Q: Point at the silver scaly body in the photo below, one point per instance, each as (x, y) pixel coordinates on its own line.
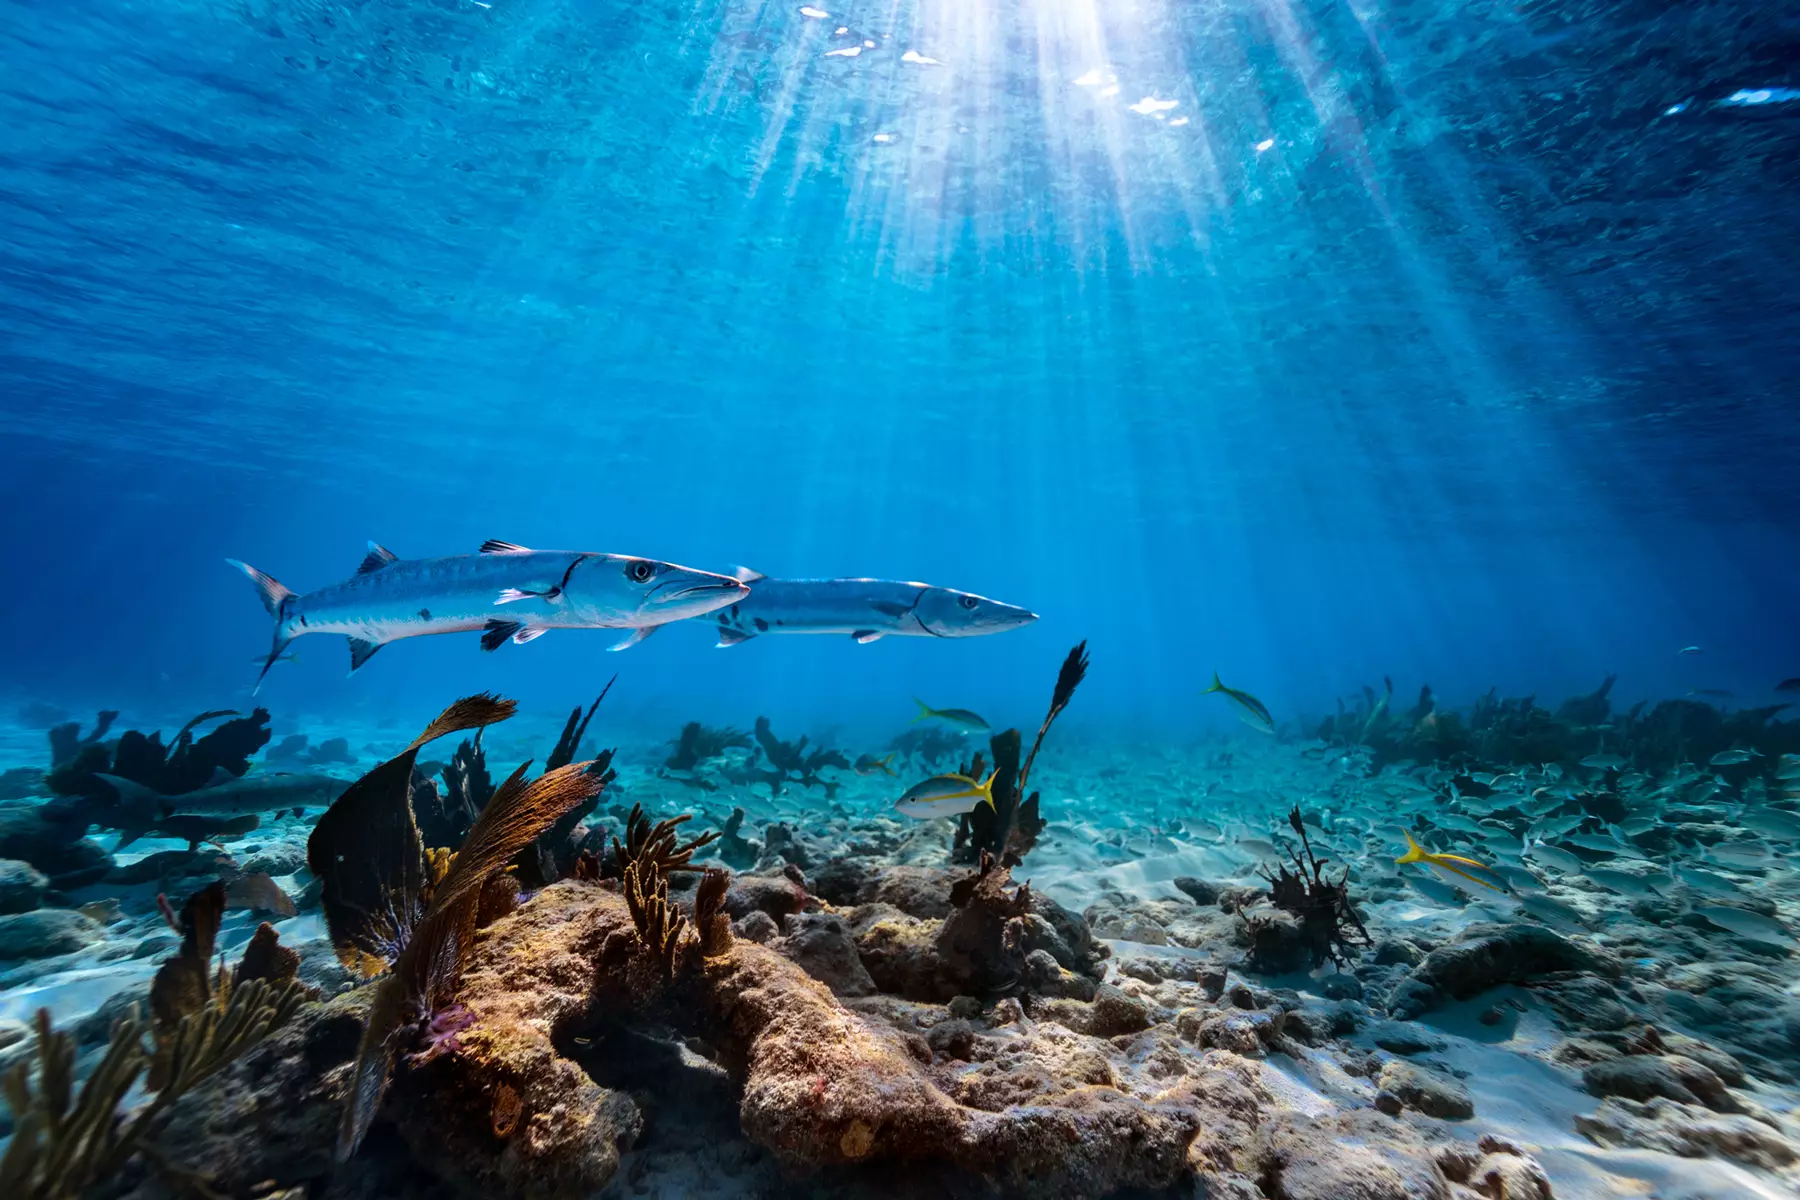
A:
(504, 592)
(864, 609)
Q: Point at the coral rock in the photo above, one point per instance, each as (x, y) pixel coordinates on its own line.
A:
(1687, 1130)
(1648, 1076)
(821, 944)
(1426, 1091)
(22, 886)
(1486, 956)
(45, 932)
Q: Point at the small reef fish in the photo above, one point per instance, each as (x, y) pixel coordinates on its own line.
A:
(1708, 884)
(1789, 685)
(1452, 868)
(1603, 762)
(1623, 882)
(1772, 822)
(1732, 758)
(1711, 693)
(1435, 890)
(1690, 650)
(1250, 710)
(1747, 924)
(868, 764)
(945, 796)
(961, 717)
(1749, 855)
(505, 591)
(862, 609)
(1551, 911)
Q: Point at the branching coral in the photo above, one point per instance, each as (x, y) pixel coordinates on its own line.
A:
(63, 1142)
(657, 843)
(1329, 927)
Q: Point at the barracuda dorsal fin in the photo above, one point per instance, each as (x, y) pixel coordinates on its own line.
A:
(361, 651)
(496, 546)
(377, 558)
(746, 575)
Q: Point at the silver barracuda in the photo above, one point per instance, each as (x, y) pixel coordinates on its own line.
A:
(864, 609)
(504, 592)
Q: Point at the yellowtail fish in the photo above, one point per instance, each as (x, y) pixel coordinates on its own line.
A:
(945, 796)
(955, 716)
(868, 764)
(1250, 710)
(1452, 868)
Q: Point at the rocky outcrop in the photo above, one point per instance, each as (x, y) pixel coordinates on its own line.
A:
(1487, 956)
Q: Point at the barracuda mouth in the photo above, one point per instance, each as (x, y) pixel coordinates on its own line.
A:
(722, 590)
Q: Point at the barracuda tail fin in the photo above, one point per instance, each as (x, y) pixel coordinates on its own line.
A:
(277, 599)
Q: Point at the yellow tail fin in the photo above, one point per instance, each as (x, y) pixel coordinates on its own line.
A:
(925, 710)
(1414, 851)
(987, 790)
(1216, 686)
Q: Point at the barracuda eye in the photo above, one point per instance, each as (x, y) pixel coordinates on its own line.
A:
(969, 602)
(639, 571)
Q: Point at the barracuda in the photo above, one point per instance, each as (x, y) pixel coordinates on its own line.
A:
(864, 609)
(504, 592)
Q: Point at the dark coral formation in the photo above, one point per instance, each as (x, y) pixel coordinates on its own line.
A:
(791, 762)
(698, 743)
(1324, 923)
(1010, 828)
(1500, 732)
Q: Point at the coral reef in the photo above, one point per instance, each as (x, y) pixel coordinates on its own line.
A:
(65, 1142)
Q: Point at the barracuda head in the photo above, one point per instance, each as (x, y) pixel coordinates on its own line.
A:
(619, 590)
(947, 612)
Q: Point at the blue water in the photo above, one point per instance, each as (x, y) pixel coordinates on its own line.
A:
(1308, 342)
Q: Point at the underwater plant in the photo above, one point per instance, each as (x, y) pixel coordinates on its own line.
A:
(791, 763)
(1011, 827)
(389, 905)
(698, 743)
(1328, 925)
(201, 1021)
(552, 854)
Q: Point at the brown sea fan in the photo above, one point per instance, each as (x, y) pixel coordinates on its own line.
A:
(426, 973)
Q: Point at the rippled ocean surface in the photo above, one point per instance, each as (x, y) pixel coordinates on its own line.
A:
(1344, 348)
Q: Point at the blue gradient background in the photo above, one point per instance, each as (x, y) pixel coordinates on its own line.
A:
(1481, 373)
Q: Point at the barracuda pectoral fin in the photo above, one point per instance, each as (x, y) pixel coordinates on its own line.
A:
(633, 638)
(731, 637)
(377, 558)
(888, 608)
(863, 637)
(509, 595)
(361, 651)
